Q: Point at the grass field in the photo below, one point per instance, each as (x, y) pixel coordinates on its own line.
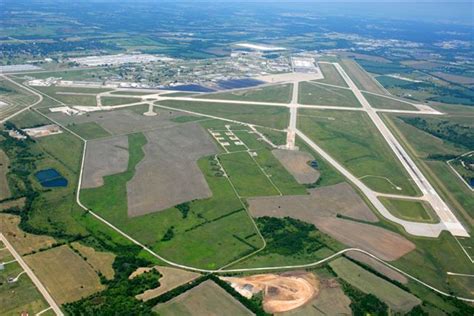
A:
(275, 93)
(410, 210)
(112, 101)
(89, 130)
(29, 119)
(352, 139)
(21, 296)
(311, 93)
(246, 176)
(4, 187)
(331, 75)
(69, 99)
(216, 230)
(101, 262)
(13, 98)
(379, 102)
(64, 273)
(396, 298)
(361, 78)
(269, 116)
(205, 299)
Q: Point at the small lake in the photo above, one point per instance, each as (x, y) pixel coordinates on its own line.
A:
(50, 178)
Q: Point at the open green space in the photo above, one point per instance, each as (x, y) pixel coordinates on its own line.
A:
(398, 299)
(13, 98)
(69, 98)
(351, 138)
(331, 75)
(275, 93)
(417, 211)
(214, 231)
(360, 77)
(269, 116)
(88, 130)
(314, 94)
(380, 102)
(112, 101)
(29, 119)
(246, 176)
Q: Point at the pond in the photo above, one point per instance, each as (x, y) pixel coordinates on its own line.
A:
(50, 178)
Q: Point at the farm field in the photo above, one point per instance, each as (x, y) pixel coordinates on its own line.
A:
(268, 116)
(313, 94)
(100, 261)
(380, 102)
(331, 75)
(205, 299)
(396, 298)
(352, 139)
(64, 273)
(275, 93)
(417, 211)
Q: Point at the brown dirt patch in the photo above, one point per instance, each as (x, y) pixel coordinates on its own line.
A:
(4, 188)
(104, 157)
(325, 201)
(100, 261)
(169, 174)
(379, 267)
(296, 162)
(23, 242)
(12, 203)
(282, 292)
(64, 274)
(171, 279)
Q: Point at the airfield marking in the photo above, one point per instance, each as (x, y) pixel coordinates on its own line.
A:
(460, 274)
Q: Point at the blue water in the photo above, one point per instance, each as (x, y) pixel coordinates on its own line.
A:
(51, 178)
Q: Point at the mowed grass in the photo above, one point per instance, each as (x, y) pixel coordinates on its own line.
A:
(314, 94)
(396, 298)
(380, 102)
(268, 116)
(246, 176)
(276, 93)
(68, 99)
(65, 274)
(360, 77)
(417, 211)
(352, 139)
(205, 299)
(331, 75)
(216, 231)
(89, 130)
(112, 101)
(21, 296)
(29, 118)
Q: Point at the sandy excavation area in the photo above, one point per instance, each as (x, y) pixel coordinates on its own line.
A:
(281, 292)
(104, 157)
(169, 174)
(296, 162)
(321, 208)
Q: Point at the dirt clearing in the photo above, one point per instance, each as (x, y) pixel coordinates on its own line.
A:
(206, 299)
(171, 279)
(169, 174)
(296, 162)
(104, 157)
(12, 203)
(64, 274)
(281, 293)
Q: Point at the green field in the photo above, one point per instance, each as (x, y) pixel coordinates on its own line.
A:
(276, 93)
(396, 298)
(89, 130)
(331, 75)
(314, 94)
(360, 77)
(70, 99)
(112, 101)
(269, 116)
(379, 102)
(246, 176)
(14, 98)
(215, 232)
(410, 210)
(29, 119)
(353, 140)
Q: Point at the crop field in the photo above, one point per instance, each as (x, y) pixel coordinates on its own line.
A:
(417, 211)
(20, 296)
(100, 261)
(205, 299)
(4, 187)
(396, 298)
(89, 130)
(268, 116)
(352, 139)
(377, 266)
(313, 94)
(64, 273)
(331, 75)
(361, 78)
(275, 93)
(380, 102)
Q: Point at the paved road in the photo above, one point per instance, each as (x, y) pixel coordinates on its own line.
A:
(32, 276)
(448, 219)
(25, 108)
(291, 130)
